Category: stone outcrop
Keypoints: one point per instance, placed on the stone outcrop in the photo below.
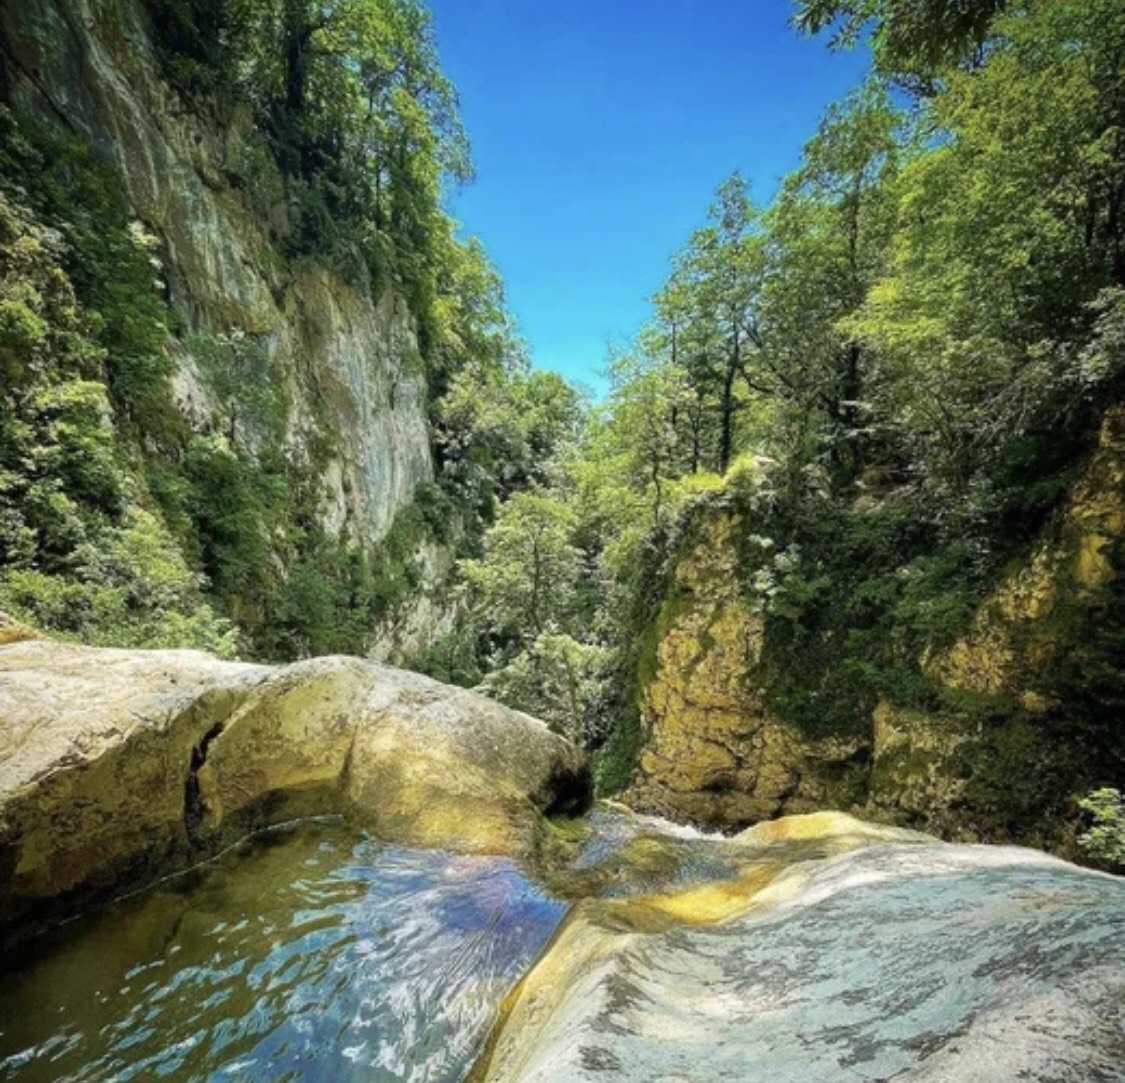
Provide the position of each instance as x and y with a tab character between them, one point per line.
714	755
918	758
832	956
1010	634
212	205
116	765
912	772
426	616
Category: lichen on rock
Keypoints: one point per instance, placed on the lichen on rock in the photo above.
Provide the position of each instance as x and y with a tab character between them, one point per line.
715	754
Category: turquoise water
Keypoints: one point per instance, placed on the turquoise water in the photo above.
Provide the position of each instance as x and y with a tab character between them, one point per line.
311	954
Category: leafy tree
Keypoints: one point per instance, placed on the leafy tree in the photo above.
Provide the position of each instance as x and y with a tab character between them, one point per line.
723	268
683	341
916	37
560	679
522	585
1008	231
640	439
828	235
79	552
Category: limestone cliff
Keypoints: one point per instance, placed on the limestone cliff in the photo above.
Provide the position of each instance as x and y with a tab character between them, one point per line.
337	354
991	741
93	67
715	755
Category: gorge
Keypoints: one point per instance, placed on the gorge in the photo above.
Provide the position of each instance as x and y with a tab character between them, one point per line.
377	704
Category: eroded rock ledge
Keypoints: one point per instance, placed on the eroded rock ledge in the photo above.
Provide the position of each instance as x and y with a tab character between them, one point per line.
838	950
119	765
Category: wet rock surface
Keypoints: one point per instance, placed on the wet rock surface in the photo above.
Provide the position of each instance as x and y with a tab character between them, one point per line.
117	765
814	947
897	958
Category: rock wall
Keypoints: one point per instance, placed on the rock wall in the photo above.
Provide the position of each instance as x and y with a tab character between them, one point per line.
208	195
714	755
426	616
925	764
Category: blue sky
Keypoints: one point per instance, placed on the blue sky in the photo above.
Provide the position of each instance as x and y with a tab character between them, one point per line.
600	129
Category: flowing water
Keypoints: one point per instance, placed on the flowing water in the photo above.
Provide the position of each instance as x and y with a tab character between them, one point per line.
316	953
312	954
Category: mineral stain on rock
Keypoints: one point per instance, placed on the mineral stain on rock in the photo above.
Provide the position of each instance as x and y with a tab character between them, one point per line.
882	956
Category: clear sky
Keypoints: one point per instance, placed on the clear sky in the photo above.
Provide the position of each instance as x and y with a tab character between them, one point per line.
600	130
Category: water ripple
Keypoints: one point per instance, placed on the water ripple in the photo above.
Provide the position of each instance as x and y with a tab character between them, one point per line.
314	956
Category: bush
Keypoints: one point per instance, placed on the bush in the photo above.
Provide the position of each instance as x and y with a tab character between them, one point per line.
1104	841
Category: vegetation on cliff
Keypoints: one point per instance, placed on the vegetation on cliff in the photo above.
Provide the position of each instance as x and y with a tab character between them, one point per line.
894	373
123	518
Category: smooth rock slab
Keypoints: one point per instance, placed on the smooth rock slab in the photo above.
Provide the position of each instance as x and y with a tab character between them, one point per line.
903	961
119	765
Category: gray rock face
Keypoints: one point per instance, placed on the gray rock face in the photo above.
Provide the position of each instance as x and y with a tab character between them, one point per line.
117	766
209	202
921	962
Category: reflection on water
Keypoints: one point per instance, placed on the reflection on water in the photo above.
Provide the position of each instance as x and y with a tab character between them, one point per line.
320	955
317	954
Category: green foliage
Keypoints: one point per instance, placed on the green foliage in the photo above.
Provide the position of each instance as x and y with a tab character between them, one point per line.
615	761
914	37
250	403
525	580
234	506
499	425
559	679
129	587
79	552
110	261
1104	841
1018	780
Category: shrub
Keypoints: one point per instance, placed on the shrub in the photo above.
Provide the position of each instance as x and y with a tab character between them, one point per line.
1104	841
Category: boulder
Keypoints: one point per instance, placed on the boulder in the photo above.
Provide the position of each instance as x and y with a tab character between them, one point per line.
117	766
842	951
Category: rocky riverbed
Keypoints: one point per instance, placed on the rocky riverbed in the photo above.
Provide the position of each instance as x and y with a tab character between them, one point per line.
456	917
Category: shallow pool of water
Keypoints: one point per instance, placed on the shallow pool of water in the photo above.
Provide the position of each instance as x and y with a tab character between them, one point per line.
312	953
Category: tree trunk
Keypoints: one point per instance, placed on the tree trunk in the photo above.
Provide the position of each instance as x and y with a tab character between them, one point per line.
726	443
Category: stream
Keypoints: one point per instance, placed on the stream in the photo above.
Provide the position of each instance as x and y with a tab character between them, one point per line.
315	953
310	954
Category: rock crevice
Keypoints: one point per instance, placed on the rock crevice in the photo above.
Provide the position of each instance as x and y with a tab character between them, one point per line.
194	806
94	798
